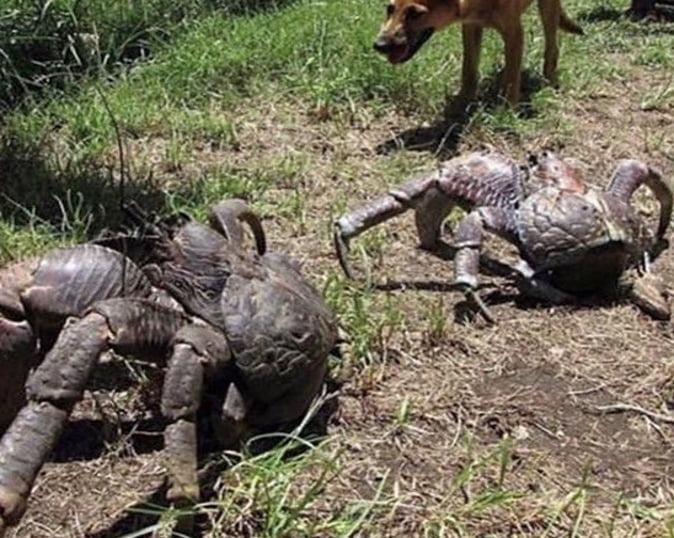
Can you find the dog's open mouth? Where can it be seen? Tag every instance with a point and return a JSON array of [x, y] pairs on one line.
[[402, 53]]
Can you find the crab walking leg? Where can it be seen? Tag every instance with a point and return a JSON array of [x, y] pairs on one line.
[[400, 199], [17, 357], [630, 174], [226, 217], [58, 383], [476, 179], [196, 349], [536, 288], [18, 345], [468, 239]]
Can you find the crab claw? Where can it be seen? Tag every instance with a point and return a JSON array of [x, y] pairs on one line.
[[473, 297], [663, 190], [630, 174], [480, 305], [363, 218], [226, 217], [648, 293], [342, 248]]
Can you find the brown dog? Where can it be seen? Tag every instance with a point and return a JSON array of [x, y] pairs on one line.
[[409, 24]]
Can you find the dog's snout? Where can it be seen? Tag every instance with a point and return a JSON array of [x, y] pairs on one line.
[[383, 44]]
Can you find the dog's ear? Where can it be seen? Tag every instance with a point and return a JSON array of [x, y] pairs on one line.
[[442, 13], [414, 12]]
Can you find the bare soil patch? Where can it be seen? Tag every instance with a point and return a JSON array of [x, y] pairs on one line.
[[545, 411]]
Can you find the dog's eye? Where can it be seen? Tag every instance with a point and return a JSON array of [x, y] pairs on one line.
[[389, 10], [413, 14]]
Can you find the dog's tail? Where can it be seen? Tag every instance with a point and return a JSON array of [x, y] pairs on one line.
[[569, 25]]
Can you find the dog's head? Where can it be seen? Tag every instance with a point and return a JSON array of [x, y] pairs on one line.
[[409, 24]]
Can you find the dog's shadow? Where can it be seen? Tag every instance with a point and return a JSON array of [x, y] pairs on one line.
[[250, 7], [443, 137], [661, 13]]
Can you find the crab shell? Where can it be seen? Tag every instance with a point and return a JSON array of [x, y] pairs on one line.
[[580, 241]]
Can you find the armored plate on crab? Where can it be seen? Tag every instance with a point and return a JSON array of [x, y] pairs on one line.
[[579, 241], [276, 332]]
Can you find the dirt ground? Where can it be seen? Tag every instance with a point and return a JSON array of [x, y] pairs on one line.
[[530, 387]]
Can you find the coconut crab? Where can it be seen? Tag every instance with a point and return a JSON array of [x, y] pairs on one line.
[[244, 333], [573, 239]]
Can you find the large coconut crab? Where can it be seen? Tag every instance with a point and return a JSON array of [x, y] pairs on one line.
[[573, 239], [244, 333]]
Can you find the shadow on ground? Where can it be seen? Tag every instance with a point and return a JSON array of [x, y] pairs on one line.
[[147, 513], [498, 293], [661, 13], [443, 137], [64, 194]]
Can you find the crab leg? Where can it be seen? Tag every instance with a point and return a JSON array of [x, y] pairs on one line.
[[226, 217], [196, 349], [18, 346], [58, 383], [17, 357], [468, 239], [649, 292], [392, 204], [529, 284], [630, 175], [469, 181]]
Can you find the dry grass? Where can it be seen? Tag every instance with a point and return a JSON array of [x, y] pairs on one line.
[[443, 428]]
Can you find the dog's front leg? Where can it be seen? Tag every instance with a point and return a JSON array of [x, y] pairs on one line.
[[550, 15], [513, 37], [472, 43]]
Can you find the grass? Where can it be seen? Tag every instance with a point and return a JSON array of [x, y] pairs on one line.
[[285, 104], [49, 45]]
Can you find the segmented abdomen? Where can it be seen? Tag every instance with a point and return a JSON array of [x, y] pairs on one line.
[[69, 280], [558, 227]]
